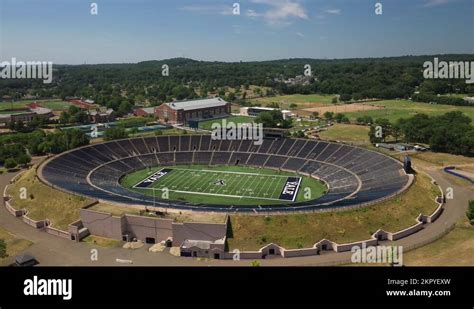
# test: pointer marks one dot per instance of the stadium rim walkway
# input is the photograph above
(51, 250)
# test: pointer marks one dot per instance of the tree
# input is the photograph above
(293, 106)
(115, 133)
(299, 134)
(65, 118)
(383, 126)
(334, 100)
(328, 115)
(124, 108)
(3, 248)
(338, 117)
(10, 163)
(231, 97)
(345, 97)
(24, 159)
(315, 114)
(365, 120)
(273, 119)
(470, 211)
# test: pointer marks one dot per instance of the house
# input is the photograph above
(99, 116)
(144, 111)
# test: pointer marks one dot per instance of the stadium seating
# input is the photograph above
(353, 175)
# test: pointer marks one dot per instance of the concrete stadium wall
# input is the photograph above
(143, 227)
(57, 232)
(348, 246)
(300, 252)
(406, 232)
(102, 224)
(140, 227)
(198, 231)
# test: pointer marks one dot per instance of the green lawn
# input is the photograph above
(302, 100)
(454, 249)
(396, 109)
(55, 105)
(347, 133)
(304, 230)
(44, 202)
(207, 125)
(15, 245)
(14, 105)
(51, 104)
(102, 241)
(239, 186)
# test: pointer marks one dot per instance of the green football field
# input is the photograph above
(228, 185)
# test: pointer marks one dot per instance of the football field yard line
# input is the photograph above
(166, 181)
(263, 186)
(181, 180)
(228, 172)
(239, 188)
(230, 181)
(240, 185)
(193, 180)
(275, 188)
(253, 179)
(272, 184)
(214, 194)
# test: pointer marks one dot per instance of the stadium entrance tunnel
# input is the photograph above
(353, 176)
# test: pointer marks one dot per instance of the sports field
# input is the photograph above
(227, 185)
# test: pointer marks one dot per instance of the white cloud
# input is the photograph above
(208, 9)
(252, 14)
(299, 34)
(279, 11)
(334, 11)
(432, 3)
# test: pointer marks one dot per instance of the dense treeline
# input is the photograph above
(119, 86)
(447, 100)
(17, 149)
(452, 132)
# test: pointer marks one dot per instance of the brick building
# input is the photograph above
(144, 111)
(25, 114)
(184, 111)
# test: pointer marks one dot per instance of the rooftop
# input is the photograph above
(201, 244)
(197, 104)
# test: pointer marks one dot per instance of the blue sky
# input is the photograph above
(64, 31)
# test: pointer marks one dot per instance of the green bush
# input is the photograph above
(10, 163)
(3, 248)
(470, 211)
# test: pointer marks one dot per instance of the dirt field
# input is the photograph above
(343, 108)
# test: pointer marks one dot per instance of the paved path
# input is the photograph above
(52, 250)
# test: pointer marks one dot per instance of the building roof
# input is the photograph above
(41, 110)
(201, 244)
(100, 113)
(148, 110)
(263, 108)
(197, 104)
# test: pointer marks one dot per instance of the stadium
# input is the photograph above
(180, 172)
